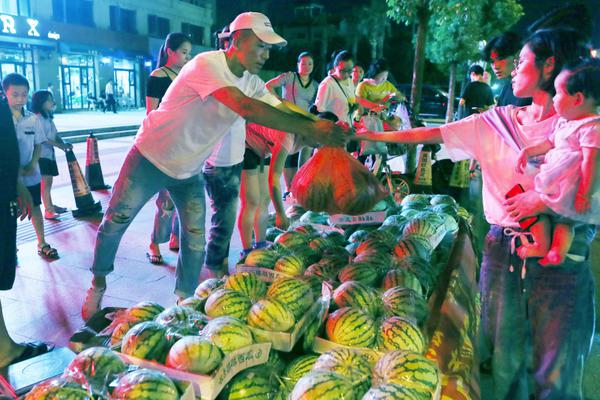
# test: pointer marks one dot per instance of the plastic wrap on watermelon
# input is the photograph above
(145, 384)
(316, 325)
(143, 311)
(349, 363)
(296, 369)
(333, 181)
(61, 388)
(94, 369)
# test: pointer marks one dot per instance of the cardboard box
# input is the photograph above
(208, 387)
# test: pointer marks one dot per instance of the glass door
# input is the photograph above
(125, 88)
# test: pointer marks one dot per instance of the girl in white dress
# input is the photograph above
(567, 178)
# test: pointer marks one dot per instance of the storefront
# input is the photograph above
(78, 77)
(126, 78)
(19, 59)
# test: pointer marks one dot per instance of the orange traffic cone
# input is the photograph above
(422, 182)
(93, 170)
(84, 201)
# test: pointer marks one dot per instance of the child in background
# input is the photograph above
(42, 104)
(30, 136)
(567, 180)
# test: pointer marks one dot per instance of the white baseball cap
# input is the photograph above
(260, 25)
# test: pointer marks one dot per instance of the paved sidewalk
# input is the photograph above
(79, 120)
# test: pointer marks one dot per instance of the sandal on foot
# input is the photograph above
(48, 251)
(154, 258)
(33, 349)
(60, 210)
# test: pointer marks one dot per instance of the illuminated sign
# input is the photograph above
(20, 26)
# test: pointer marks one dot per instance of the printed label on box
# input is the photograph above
(370, 218)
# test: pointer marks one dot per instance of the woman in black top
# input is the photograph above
(172, 57)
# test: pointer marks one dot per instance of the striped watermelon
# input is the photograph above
(351, 327)
(270, 315)
(208, 286)
(313, 217)
(315, 283)
(392, 391)
(402, 278)
(249, 385)
(415, 198)
(146, 340)
(272, 232)
(409, 213)
(96, 366)
(323, 385)
(443, 199)
(145, 384)
(397, 220)
(381, 260)
(225, 302)
(421, 227)
(261, 258)
(175, 314)
(394, 230)
(290, 265)
(59, 389)
(407, 369)
(246, 283)
(295, 370)
(404, 302)
(351, 248)
(294, 211)
(293, 239)
(295, 294)
(194, 303)
(349, 363)
(374, 245)
(144, 311)
(397, 333)
(357, 295)
(194, 354)
(358, 236)
(228, 334)
(412, 246)
(306, 229)
(450, 223)
(319, 244)
(326, 272)
(362, 272)
(422, 269)
(335, 238)
(120, 331)
(431, 217)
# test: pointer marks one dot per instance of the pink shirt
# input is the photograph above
(472, 137)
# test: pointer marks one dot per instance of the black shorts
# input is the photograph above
(48, 167)
(292, 160)
(36, 194)
(8, 246)
(252, 160)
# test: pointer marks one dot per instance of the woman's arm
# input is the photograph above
(277, 82)
(588, 176)
(151, 104)
(276, 169)
(425, 135)
(532, 151)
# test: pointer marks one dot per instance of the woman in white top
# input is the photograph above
(336, 92)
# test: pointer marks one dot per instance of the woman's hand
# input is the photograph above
(526, 204)
(521, 162)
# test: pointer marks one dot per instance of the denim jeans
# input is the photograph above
(553, 307)
(138, 181)
(223, 188)
(166, 222)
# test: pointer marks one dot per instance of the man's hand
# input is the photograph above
(331, 134)
(525, 205)
(582, 203)
(28, 169)
(24, 201)
(66, 146)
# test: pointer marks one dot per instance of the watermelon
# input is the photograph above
(315, 283)
(409, 247)
(312, 217)
(208, 286)
(351, 327)
(193, 302)
(407, 369)
(397, 333)
(175, 314)
(421, 227)
(306, 229)
(323, 385)
(443, 199)
(357, 295)
(335, 238)
(422, 270)
(403, 278)
(296, 369)
(404, 302)
(380, 260)
(358, 236)
(397, 220)
(228, 334)
(145, 384)
(194, 354)
(246, 283)
(96, 366)
(294, 211)
(120, 331)
(144, 311)
(270, 315)
(374, 245)
(326, 272)
(293, 239)
(392, 391)
(226, 302)
(295, 294)
(409, 213)
(272, 232)
(362, 272)
(59, 389)
(249, 385)
(351, 248)
(290, 265)
(349, 363)
(261, 258)
(146, 340)
(319, 244)
(394, 230)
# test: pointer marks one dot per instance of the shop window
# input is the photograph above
(15, 7)
(79, 12)
(158, 26)
(122, 19)
(195, 32)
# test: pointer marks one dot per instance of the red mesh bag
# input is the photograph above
(335, 182)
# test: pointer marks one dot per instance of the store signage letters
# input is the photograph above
(9, 26)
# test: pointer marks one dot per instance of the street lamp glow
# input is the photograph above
(105, 60)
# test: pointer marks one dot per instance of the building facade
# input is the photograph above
(76, 47)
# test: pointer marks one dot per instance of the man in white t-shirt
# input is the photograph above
(210, 93)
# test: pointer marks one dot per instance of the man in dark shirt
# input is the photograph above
(15, 201)
(477, 95)
(500, 52)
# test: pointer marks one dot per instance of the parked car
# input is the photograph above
(434, 102)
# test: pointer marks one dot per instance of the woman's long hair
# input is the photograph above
(37, 103)
(173, 42)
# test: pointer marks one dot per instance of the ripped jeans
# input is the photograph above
(138, 181)
(166, 221)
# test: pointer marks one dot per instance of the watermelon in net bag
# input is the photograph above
(335, 182)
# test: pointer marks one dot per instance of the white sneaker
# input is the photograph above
(93, 300)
